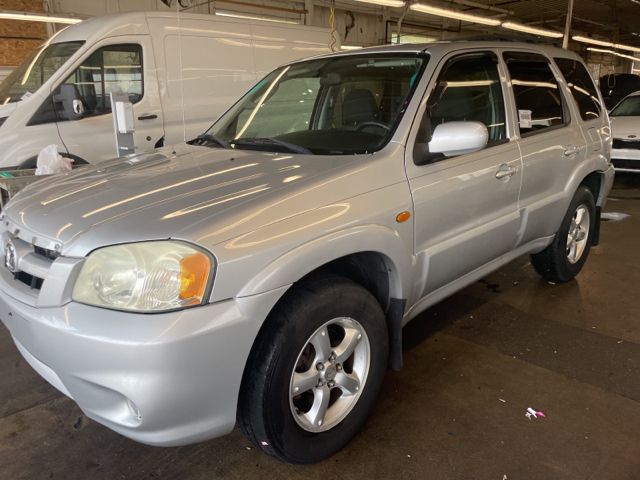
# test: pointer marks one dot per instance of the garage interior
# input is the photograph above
(473, 364)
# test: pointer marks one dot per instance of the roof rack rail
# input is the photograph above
(515, 37)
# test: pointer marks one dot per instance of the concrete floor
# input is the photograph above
(473, 364)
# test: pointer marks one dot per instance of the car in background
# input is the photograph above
(179, 71)
(625, 130)
(615, 86)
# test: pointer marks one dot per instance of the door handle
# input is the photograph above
(571, 150)
(505, 171)
(148, 116)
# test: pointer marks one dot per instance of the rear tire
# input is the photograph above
(564, 258)
(315, 371)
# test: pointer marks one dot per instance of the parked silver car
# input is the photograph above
(263, 271)
(625, 126)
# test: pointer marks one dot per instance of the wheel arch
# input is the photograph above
(373, 257)
(594, 182)
(371, 245)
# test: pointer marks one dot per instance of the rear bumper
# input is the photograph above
(163, 379)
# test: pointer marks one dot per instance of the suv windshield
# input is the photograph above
(328, 106)
(629, 107)
(36, 70)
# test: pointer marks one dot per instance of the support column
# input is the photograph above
(567, 25)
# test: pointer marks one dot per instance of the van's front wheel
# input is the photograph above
(565, 257)
(315, 371)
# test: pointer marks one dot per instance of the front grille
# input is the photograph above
(626, 164)
(33, 282)
(45, 252)
(632, 144)
(32, 261)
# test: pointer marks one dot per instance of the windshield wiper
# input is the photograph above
(270, 141)
(208, 138)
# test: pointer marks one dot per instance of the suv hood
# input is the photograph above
(622, 127)
(175, 192)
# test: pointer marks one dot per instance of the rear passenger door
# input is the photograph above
(551, 141)
(465, 206)
(592, 114)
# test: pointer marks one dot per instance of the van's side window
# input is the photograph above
(115, 68)
(582, 87)
(539, 101)
(468, 89)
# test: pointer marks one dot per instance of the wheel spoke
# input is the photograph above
(581, 235)
(320, 342)
(579, 215)
(572, 250)
(318, 410)
(348, 344)
(304, 381)
(349, 383)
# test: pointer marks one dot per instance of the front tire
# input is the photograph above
(564, 258)
(315, 371)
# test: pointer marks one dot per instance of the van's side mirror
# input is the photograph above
(68, 102)
(458, 138)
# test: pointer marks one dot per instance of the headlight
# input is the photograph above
(144, 277)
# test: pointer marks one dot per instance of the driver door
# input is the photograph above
(465, 206)
(126, 66)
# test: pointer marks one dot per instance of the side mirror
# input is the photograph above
(458, 138)
(68, 102)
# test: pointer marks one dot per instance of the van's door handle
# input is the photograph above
(148, 116)
(571, 150)
(505, 171)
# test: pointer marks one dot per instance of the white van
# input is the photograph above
(180, 71)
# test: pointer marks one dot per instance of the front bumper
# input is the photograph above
(626, 159)
(160, 379)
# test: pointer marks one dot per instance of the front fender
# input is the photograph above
(296, 263)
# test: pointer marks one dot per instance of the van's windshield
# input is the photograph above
(629, 107)
(36, 70)
(328, 106)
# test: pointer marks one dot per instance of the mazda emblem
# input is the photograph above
(10, 257)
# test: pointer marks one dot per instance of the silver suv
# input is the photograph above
(263, 271)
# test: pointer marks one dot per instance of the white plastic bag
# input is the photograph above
(51, 162)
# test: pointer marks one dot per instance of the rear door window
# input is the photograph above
(539, 102)
(582, 87)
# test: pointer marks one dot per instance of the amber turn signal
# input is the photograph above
(403, 216)
(194, 272)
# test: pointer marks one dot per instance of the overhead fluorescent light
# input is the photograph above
(592, 41)
(603, 43)
(34, 17)
(385, 3)
(627, 47)
(454, 14)
(252, 17)
(350, 47)
(533, 30)
(611, 52)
